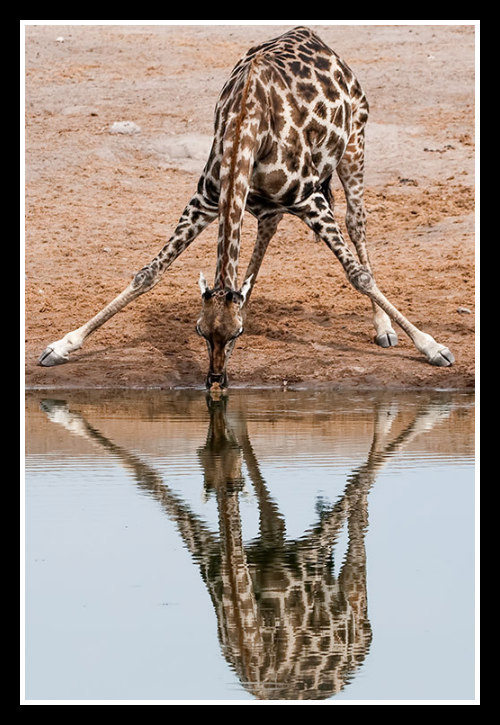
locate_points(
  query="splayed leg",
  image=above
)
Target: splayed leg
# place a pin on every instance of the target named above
(196, 216)
(316, 213)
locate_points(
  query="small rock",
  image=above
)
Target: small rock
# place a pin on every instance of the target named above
(464, 311)
(126, 127)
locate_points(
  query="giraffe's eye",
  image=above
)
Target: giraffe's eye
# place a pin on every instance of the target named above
(240, 331)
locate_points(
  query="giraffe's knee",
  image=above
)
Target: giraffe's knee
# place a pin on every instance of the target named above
(145, 279)
(362, 279)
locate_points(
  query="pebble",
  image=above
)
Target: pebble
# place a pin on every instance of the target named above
(464, 311)
(127, 127)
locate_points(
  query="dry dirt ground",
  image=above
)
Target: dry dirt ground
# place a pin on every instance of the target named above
(100, 205)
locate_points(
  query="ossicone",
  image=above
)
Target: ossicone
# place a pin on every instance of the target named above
(205, 291)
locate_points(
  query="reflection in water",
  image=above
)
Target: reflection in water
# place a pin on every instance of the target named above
(288, 626)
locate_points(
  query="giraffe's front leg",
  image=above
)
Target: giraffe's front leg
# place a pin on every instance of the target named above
(435, 352)
(58, 352)
(197, 214)
(316, 213)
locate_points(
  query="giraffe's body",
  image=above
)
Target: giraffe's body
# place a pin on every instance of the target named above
(290, 114)
(283, 123)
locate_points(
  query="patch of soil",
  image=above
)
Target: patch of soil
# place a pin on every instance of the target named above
(100, 205)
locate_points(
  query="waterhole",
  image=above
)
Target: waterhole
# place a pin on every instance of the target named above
(272, 545)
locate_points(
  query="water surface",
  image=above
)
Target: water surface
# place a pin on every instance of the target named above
(277, 545)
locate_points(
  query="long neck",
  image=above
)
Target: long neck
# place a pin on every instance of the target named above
(239, 148)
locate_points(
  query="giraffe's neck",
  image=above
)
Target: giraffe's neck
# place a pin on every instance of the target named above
(239, 148)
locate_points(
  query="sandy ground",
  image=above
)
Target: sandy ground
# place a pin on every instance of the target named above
(100, 205)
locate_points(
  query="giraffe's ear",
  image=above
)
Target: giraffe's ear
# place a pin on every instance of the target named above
(246, 288)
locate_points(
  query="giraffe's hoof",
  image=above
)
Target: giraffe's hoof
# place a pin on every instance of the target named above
(443, 358)
(387, 339)
(50, 357)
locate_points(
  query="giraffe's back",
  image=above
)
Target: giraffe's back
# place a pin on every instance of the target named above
(306, 101)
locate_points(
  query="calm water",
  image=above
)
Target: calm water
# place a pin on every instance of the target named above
(280, 545)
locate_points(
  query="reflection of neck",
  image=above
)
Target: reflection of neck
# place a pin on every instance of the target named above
(238, 615)
(232, 588)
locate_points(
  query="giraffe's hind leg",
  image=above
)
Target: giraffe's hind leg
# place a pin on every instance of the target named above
(316, 213)
(197, 214)
(351, 173)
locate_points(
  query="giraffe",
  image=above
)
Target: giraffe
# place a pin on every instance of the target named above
(290, 114)
(287, 625)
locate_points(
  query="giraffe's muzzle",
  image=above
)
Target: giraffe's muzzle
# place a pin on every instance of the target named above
(217, 380)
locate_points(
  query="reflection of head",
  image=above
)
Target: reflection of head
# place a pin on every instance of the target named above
(312, 638)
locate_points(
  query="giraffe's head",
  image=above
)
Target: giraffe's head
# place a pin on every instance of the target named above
(220, 323)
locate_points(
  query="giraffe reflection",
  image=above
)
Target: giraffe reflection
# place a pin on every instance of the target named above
(290, 628)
